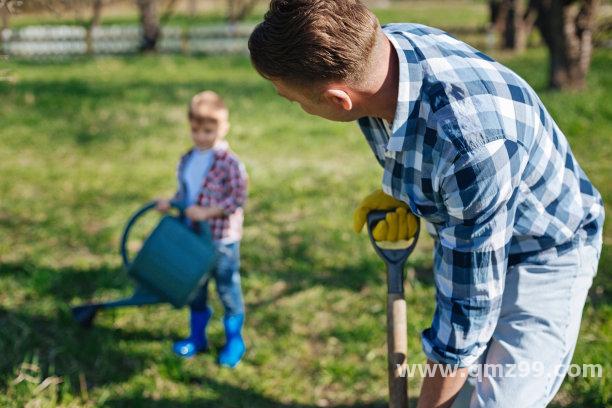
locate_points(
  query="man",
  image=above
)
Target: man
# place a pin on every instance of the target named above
(467, 145)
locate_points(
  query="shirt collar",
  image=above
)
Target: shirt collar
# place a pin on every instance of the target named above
(221, 145)
(410, 78)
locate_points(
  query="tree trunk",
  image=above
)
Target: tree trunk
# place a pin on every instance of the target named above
(512, 35)
(149, 21)
(93, 23)
(494, 6)
(567, 29)
(512, 22)
(5, 18)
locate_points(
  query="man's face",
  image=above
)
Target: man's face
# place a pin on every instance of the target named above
(315, 101)
(208, 128)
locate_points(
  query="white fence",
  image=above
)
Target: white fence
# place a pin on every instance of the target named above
(50, 41)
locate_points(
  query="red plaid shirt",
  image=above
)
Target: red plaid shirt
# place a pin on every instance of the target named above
(225, 187)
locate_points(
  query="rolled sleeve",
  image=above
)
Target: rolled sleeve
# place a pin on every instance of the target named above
(479, 193)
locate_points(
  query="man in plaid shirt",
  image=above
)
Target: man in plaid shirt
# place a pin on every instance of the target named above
(467, 145)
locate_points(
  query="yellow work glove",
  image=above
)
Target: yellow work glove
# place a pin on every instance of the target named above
(398, 225)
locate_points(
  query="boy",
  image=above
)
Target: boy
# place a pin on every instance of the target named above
(467, 145)
(213, 186)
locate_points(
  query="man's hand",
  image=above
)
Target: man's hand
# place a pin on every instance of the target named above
(400, 224)
(199, 213)
(440, 391)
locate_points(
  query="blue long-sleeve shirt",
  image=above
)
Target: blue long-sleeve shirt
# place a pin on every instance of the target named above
(473, 151)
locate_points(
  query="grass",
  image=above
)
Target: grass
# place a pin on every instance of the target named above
(465, 14)
(86, 141)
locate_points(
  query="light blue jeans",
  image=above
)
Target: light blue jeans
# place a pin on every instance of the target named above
(537, 330)
(227, 280)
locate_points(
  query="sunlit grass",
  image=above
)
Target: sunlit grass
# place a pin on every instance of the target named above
(85, 142)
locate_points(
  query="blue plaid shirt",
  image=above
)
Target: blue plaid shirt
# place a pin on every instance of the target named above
(474, 152)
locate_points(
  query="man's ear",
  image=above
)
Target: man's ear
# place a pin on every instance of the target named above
(339, 98)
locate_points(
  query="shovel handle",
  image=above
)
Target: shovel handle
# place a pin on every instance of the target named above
(394, 259)
(397, 321)
(391, 257)
(397, 350)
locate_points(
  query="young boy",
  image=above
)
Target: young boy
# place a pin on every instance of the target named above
(467, 145)
(213, 187)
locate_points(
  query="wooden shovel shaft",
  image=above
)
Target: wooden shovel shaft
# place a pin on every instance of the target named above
(397, 348)
(397, 327)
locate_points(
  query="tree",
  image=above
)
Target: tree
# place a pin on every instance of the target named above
(494, 6)
(5, 15)
(149, 22)
(96, 14)
(567, 29)
(513, 20)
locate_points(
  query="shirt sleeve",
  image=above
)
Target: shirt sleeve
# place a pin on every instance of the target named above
(236, 188)
(179, 195)
(471, 253)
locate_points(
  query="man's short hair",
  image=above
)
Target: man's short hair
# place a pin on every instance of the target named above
(305, 41)
(205, 104)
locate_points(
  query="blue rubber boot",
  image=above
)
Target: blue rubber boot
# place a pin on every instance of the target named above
(196, 342)
(234, 348)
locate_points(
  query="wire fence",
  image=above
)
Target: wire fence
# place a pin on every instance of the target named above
(61, 41)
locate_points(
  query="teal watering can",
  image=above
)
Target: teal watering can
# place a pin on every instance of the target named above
(171, 266)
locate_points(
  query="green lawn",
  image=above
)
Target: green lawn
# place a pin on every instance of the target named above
(465, 13)
(86, 141)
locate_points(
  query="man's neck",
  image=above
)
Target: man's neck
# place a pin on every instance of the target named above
(380, 100)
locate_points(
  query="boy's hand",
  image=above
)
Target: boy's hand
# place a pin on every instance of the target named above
(398, 225)
(197, 213)
(163, 205)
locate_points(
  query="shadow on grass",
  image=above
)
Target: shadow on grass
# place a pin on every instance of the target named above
(57, 346)
(366, 271)
(66, 283)
(303, 270)
(232, 397)
(43, 347)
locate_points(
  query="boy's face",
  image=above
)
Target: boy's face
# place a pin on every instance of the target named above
(208, 128)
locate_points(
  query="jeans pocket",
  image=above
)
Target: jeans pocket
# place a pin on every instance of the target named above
(589, 259)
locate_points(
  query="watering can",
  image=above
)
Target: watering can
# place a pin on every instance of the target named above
(171, 266)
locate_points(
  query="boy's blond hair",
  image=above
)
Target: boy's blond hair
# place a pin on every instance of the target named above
(206, 104)
(306, 41)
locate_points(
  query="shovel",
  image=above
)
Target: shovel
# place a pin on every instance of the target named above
(394, 255)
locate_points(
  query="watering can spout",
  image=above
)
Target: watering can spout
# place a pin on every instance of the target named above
(85, 314)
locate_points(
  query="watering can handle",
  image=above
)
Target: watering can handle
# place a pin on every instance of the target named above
(128, 227)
